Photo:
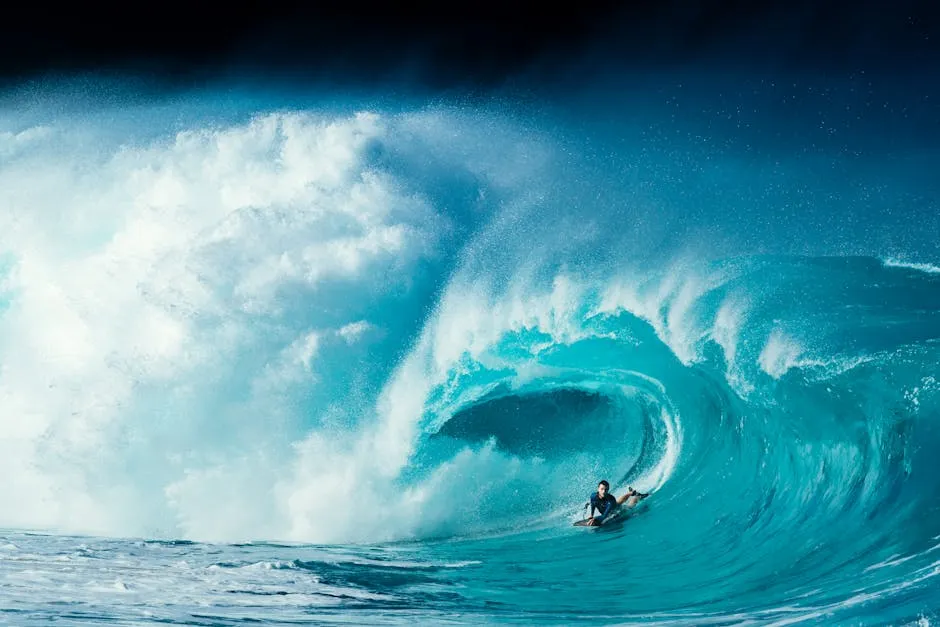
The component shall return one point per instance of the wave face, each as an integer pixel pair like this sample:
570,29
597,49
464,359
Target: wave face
440,327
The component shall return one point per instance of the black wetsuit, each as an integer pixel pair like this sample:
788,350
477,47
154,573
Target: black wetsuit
606,506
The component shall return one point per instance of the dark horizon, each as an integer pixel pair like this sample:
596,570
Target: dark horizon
483,45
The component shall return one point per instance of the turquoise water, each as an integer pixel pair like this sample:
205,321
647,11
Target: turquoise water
290,362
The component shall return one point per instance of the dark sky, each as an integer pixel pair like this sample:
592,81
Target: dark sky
459,44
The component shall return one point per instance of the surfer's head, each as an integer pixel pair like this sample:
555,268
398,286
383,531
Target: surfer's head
602,488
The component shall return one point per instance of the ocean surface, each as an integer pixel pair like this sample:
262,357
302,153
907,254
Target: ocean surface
283,359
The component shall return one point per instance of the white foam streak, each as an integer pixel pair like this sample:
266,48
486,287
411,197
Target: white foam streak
779,354
922,267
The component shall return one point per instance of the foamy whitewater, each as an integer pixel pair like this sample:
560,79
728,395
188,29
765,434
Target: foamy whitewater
306,363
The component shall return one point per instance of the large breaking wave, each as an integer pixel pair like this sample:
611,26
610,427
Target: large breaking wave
447,324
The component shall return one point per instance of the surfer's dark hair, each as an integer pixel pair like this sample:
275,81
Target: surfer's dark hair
604,483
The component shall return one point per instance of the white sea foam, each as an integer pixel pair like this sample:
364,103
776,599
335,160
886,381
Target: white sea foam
923,267
147,280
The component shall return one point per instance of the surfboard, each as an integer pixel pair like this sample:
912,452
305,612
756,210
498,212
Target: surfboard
612,521
618,516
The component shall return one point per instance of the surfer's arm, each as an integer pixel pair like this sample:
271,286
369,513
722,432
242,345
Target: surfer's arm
609,506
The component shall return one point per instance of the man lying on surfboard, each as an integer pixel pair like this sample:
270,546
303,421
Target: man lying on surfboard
607,504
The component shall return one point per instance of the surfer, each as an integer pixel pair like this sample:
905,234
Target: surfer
607,504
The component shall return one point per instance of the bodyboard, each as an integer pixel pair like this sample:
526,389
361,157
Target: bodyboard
619,516
612,520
